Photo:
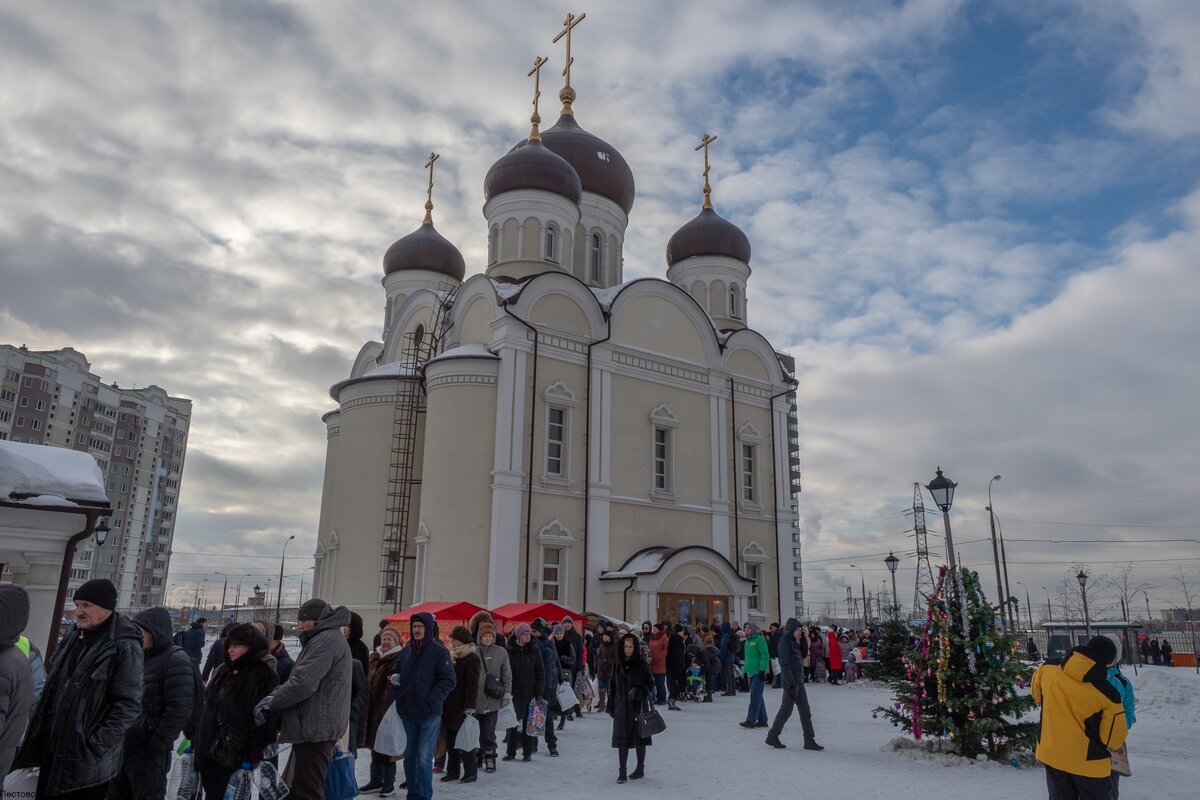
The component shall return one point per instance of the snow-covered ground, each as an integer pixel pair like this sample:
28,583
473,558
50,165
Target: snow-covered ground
704,753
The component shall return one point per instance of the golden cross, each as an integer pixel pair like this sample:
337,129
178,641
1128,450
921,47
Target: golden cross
704,143
536,119
570,22
429,191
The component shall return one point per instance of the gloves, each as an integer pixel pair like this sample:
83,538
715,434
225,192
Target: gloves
260,710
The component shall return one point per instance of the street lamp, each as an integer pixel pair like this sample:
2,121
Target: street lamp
1049,611
101,532
224,587
893,562
1000,593
306,569
196,599
942,490
1003,557
237,599
1149,619
1087,623
279,595
1028,607
863,580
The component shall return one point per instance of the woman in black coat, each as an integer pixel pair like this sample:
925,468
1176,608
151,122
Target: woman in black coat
227,734
528,680
633,685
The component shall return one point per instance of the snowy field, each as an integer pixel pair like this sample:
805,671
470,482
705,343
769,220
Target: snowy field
704,753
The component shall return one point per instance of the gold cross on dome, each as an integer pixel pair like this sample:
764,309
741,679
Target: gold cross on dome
536,119
567,95
704,143
429,190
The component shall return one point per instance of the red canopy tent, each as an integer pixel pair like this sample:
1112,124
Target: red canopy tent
446,615
509,615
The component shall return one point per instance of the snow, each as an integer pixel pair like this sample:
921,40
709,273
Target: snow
466,351
704,753
641,563
606,296
507,290
49,500
55,471
396,368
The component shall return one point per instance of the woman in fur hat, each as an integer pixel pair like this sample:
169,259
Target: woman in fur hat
633,686
461,704
383,768
227,734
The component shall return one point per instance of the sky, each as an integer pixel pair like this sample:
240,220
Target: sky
976,226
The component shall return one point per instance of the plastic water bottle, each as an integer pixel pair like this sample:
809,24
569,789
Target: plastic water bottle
240,784
270,787
189,778
1015,762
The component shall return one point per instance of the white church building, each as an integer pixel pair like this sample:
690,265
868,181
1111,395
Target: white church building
544,430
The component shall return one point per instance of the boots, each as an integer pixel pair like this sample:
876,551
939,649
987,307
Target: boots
489,762
388,776
621,776
562,722
376,782
773,740
452,767
470,771
811,744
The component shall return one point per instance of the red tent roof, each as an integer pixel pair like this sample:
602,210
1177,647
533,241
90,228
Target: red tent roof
442,612
509,615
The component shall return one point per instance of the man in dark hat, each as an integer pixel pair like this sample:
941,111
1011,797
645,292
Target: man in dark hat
96,673
551,675
1083,719
193,640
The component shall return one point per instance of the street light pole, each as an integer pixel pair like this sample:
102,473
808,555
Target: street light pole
306,569
942,490
863,579
1087,622
893,562
1003,557
1149,619
1028,607
224,587
237,600
1000,593
1049,612
279,593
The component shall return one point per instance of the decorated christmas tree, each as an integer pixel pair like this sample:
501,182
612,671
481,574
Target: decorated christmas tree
893,642
960,680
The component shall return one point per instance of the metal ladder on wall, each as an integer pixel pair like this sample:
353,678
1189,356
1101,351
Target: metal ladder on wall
419,347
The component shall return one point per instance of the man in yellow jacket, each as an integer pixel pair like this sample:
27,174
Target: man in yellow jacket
1082,720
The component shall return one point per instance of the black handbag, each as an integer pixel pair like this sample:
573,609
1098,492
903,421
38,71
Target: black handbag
492,687
649,722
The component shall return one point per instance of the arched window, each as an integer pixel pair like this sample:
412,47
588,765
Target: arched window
594,259
550,244
494,245
418,338
735,302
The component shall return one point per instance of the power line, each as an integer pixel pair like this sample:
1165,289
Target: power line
1103,524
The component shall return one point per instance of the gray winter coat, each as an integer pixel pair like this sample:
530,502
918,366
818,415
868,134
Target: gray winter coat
16,676
495,662
314,704
78,730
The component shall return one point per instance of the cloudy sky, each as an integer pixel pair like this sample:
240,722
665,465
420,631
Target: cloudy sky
976,226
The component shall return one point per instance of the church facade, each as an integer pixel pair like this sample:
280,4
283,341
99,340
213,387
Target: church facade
545,430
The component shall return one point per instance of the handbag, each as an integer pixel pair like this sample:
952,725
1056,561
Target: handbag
583,689
467,738
492,687
649,722
340,783
565,696
535,720
390,739
506,717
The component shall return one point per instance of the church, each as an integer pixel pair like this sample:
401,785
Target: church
545,430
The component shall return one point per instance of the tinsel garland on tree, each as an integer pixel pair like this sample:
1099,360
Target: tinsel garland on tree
960,679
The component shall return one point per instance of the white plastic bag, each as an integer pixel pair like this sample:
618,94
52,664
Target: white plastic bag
506,717
389,738
189,778
21,783
467,738
240,784
566,697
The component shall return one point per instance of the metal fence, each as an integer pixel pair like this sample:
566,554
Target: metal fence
1056,643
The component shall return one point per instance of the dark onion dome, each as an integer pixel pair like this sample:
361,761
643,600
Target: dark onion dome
601,168
708,234
530,165
425,248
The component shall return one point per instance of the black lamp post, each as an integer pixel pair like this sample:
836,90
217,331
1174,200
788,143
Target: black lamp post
279,594
1028,607
1000,593
1049,611
1087,622
942,490
893,562
863,580
101,532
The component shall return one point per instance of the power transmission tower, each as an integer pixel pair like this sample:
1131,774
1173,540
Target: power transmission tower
924,583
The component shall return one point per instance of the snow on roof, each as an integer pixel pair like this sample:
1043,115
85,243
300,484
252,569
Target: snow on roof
40,470
606,296
507,290
641,563
466,351
393,369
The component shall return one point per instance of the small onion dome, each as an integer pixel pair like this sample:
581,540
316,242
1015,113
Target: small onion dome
601,168
708,234
425,248
530,165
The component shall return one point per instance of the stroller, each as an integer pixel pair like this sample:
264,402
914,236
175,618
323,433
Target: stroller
694,688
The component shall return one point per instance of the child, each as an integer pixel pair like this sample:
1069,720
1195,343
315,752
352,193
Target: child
695,680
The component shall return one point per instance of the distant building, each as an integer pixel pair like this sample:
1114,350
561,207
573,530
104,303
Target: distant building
138,438
1181,614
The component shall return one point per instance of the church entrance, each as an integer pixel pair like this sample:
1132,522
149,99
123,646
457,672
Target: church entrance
693,609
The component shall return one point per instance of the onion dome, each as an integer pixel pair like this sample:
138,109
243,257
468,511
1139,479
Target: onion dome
425,248
601,169
708,234
531,165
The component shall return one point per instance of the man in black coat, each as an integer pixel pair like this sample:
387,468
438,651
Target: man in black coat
571,635
193,641
792,649
92,696
168,693
550,668
528,681
677,664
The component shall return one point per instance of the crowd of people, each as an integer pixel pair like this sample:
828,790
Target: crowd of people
1157,653
102,717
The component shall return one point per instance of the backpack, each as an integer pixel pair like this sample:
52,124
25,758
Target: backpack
164,664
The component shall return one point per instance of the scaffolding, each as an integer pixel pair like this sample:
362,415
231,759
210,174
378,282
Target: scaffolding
924,583
419,346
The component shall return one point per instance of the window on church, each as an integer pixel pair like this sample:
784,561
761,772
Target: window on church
549,244
662,459
594,262
752,570
556,438
735,302
552,558
749,490
494,245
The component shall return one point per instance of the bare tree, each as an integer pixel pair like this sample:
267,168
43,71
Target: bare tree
1127,587
1191,593
1070,594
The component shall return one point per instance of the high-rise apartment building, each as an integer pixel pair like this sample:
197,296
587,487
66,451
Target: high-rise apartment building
137,436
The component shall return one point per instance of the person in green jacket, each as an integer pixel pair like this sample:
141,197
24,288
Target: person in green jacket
758,661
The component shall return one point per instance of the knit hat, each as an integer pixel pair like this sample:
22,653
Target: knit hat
557,629
278,636
679,629
539,625
1103,649
1117,641
98,592
461,634
522,630
565,620
311,610
486,628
